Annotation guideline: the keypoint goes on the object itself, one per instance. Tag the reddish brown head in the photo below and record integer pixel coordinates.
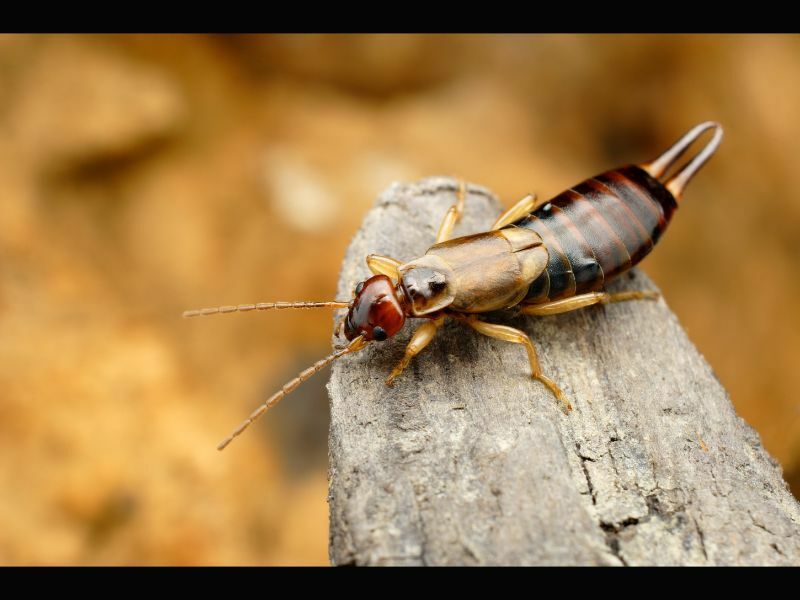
(377, 312)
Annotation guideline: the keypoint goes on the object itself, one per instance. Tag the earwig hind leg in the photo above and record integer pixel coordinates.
(421, 338)
(576, 302)
(453, 214)
(521, 209)
(509, 334)
(635, 295)
(383, 265)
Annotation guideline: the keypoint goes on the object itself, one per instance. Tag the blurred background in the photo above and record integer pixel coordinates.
(143, 175)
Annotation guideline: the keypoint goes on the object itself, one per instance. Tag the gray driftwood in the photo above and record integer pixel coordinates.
(468, 461)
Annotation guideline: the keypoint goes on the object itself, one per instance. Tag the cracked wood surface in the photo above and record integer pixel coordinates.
(466, 460)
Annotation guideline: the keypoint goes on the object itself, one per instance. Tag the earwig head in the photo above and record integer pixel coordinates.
(426, 283)
(377, 311)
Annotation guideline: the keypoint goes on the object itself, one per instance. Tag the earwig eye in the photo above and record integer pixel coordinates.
(359, 287)
(379, 334)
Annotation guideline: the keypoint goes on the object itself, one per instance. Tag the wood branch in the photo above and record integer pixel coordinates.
(466, 460)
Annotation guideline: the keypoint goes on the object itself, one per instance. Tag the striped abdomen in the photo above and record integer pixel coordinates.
(597, 230)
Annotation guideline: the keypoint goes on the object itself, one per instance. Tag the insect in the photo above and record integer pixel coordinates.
(541, 258)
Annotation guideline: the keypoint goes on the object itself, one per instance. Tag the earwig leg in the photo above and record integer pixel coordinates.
(521, 209)
(509, 334)
(383, 265)
(453, 214)
(421, 338)
(576, 302)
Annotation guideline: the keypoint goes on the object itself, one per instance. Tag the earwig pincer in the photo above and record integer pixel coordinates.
(540, 258)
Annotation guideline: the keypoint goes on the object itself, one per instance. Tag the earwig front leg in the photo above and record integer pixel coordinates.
(421, 338)
(576, 302)
(521, 209)
(453, 214)
(383, 265)
(509, 334)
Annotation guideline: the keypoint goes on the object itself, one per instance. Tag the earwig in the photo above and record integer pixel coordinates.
(540, 258)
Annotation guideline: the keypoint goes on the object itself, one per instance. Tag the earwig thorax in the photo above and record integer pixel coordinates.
(426, 282)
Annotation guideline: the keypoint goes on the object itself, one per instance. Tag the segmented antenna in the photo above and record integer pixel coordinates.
(357, 344)
(202, 312)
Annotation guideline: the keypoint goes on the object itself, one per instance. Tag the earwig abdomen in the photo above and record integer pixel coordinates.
(597, 230)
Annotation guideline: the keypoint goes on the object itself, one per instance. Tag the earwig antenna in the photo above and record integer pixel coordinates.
(201, 312)
(678, 181)
(354, 346)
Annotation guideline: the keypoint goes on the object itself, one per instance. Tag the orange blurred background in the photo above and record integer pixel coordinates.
(143, 175)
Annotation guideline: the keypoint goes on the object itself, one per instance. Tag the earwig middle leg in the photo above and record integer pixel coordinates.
(509, 334)
(521, 209)
(421, 338)
(576, 302)
(383, 265)
(453, 214)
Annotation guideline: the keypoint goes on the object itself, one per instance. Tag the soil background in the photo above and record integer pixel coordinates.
(143, 175)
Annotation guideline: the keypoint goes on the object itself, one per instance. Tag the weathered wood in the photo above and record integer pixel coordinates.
(468, 461)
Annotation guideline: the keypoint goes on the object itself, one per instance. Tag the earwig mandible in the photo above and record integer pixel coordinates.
(543, 258)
